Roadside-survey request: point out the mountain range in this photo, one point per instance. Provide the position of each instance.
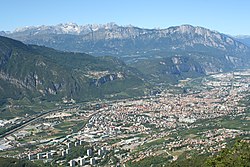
(111, 39)
(136, 59)
(183, 50)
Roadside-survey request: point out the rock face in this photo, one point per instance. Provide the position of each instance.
(180, 65)
(107, 78)
(33, 71)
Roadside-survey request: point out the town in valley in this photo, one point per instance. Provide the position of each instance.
(197, 116)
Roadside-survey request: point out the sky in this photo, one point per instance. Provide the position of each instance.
(226, 16)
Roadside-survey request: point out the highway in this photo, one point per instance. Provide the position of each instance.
(34, 118)
(43, 114)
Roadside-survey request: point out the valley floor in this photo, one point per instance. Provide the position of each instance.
(157, 129)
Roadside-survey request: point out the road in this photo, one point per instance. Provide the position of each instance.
(34, 118)
(43, 114)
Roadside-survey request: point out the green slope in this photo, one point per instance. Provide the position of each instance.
(34, 71)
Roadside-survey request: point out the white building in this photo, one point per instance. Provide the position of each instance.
(80, 161)
(72, 163)
(92, 161)
(89, 152)
(63, 153)
(39, 156)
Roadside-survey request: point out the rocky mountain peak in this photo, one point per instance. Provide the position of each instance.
(185, 28)
(64, 28)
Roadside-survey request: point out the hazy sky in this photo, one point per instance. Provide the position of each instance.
(226, 16)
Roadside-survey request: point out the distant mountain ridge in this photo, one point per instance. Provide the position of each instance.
(244, 39)
(111, 39)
